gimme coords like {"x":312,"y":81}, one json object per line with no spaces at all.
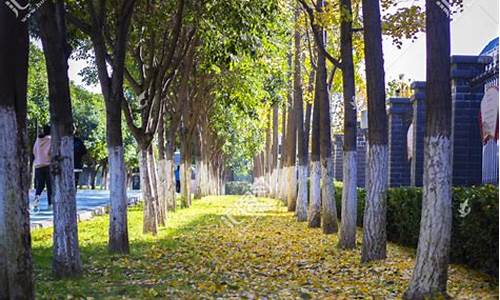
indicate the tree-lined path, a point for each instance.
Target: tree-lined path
{"x":191,"y":101}
{"x":233,"y":247}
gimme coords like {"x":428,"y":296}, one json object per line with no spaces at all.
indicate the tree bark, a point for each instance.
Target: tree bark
{"x":169,"y":153}
{"x":301,"y":202}
{"x":118,"y":228}
{"x":275,"y":152}
{"x":153,"y":177}
{"x":431,"y":269}
{"x":150,"y":209}
{"x":268,"y":158}
{"x":185,"y":172}
{"x":349,"y":194}
{"x":314,"y":210}
{"x":374,"y":221}
{"x":16,"y":270}
{"x":162,"y":174}
{"x":66,"y":260}
{"x":310,"y":89}
{"x":291,"y":154}
{"x":329,"y":210}
{"x":282,"y":168}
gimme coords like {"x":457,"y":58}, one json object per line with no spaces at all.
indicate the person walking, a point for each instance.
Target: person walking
{"x":41,"y":162}
{"x":177,"y":179}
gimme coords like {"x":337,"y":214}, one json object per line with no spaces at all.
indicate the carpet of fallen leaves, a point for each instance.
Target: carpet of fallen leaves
{"x":235,"y":247}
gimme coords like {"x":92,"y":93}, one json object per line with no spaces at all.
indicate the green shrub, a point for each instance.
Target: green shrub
{"x":474,"y":240}
{"x":238,"y":187}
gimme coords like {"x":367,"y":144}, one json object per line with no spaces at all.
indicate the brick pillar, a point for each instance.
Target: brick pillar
{"x":399,"y":117}
{"x":338,"y":141}
{"x":466,"y":137}
{"x":361,"y":151}
{"x":418,"y":120}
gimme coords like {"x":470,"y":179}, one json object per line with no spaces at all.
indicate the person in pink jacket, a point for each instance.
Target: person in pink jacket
{"x":41,"y":152}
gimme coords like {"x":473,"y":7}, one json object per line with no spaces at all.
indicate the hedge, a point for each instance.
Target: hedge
{"x":474,"y":240}
{"x":238,"y":187}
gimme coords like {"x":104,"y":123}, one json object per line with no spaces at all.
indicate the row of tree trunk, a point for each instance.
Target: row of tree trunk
{"x":306,"y":187}
{"x":157,"y":174}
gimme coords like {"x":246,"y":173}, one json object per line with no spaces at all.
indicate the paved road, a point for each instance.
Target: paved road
{"x":89,"y":203}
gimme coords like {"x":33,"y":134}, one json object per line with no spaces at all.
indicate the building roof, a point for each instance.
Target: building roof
{"x":491,"y":46}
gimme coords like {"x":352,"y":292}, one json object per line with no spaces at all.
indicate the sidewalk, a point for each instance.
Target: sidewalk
{"x":89,"y":203}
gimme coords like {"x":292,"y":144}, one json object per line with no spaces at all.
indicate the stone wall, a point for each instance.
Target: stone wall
{"x":399,"y":118}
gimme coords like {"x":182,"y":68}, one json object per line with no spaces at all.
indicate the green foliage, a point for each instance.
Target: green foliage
{"x":38,"y":94}
{"x":400,"y":87}
{"x":238,"y":187}
{"x":475,"y":222}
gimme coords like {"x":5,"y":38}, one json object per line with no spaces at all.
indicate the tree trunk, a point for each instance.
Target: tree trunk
{"x":301,"y":202}
{"x":150,"y":209}
{"x":153,"y":178}
{"x":274,"y":152}
{"x":169,"y":153}
{"x":329,"y":210}
{"x":118,"y":230}
{"x":66,"y":261}
{"x":374,"y":220}
{"x":314,"y":210}
{"x":185,"y":172}
{"x":16,"y":270}
{"x":347,"y":238}
{"x":197,"y":159}
{"x":431,"y":269}
{"x":291,"y":155}
{"x":307,"y":121}
{"x":268,"y":155}
{"x":112,"y":90}
{"x":282,"y":169}
{"x":162,"y":191}
{"x":162,"y":175}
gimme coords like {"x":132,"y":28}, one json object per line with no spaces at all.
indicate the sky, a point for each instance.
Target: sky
{"x":471,"y":30}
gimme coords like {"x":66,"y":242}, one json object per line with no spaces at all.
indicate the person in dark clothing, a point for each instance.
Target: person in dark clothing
{"x":177,"y":179}
{"x":79,"y":152}
{"x":41,"y":162}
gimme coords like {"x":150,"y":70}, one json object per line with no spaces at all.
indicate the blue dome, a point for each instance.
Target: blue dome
{"x":492,"y":45}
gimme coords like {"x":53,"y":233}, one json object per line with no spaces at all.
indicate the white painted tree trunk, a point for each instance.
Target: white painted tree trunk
{"x":374,"y":220}
{"x":170,"y":190}
{"x":431,"y":269}
{"x":185,"y":185}
{"x":16,"y":280}
{"x":314,"y":210}
{"x":66,"y":261}
{"x":272,"y":184}
{"x":197,"y":188}
{"x":301,"y":209}
{"x":347,"y":238}
{"x":162,"y":191}
{"x":329,"y":222}
{"x":283,"y":184}
{"x":153,"y":177}
{"x":202,"y":179}
{"x":292,"y":188}
{"x":150,"y":215}
{"x":118,"y":231}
